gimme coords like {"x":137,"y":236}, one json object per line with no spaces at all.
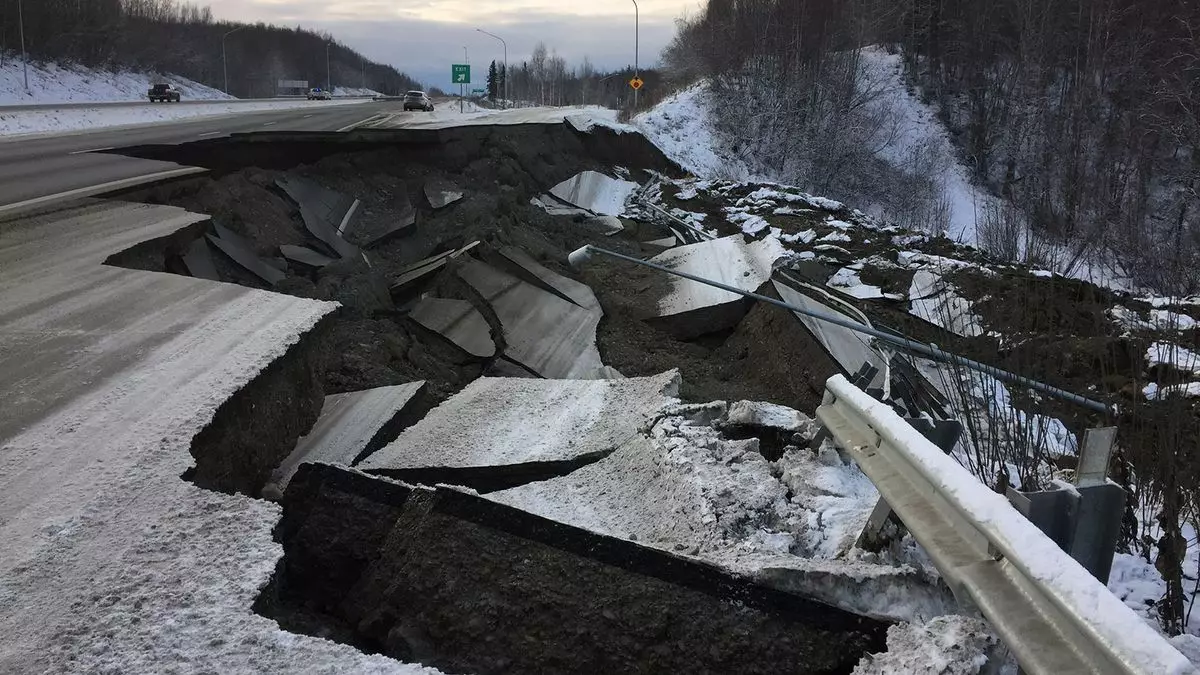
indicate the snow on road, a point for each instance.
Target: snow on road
{"x":56,"y":120}
{"x":111,"y":561}
{"x":54,"y":83}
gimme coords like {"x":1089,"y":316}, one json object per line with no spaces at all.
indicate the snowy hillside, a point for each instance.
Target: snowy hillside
{"x":55,"y":83}
{"x":908,"y":137}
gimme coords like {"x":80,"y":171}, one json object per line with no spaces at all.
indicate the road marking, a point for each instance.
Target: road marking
{"x":82,"y":152}
{"x":357,"y":124}
{"x":346,"y":219}
{"x":211,"y":133}
{"x":269,"y":124}
{"x":307,"y":116}
{"x":9,"y":209}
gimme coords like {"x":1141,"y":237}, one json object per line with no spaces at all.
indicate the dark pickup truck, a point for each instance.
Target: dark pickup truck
{"x":163,"y":92}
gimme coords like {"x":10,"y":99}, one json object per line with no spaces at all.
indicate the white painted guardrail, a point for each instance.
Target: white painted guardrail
{"x":1053,"y":615}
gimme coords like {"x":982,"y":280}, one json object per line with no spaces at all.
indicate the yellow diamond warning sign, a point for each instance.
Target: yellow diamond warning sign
{"x":636,"y":83}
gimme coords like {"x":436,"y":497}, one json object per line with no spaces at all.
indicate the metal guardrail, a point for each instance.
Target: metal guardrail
{"x":1054,"y":616}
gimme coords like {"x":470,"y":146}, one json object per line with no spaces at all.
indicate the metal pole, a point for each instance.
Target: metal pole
{"x":328,"y":71}
{"x":637,"y":71}
{"x":224,"y":61}
{"x":506,"y":99}
{"x":581,"y":255}
{"x":24,"y":56}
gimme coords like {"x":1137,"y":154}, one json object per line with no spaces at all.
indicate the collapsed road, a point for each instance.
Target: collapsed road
{"x":338,"y":404}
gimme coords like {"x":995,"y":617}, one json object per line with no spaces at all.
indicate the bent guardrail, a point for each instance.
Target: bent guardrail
{"x":1054,"y":616}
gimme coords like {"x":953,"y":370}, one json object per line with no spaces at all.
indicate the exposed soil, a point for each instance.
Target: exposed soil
{"x":467,"y":585}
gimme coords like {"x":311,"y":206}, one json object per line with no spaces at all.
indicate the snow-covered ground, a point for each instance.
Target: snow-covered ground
{"x":681,"y":128}
{"x":58,"y":83}
{"x":76,"y":118}
{"x":917,"y":131}
{"x":355,"y":91}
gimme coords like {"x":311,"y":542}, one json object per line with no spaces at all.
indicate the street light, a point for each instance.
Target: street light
{"x":637,"y":72}
{"x":24,"y":56}
{"x":328,"y":72}
{"x":506,"y":99}
{"x":224,"y":61}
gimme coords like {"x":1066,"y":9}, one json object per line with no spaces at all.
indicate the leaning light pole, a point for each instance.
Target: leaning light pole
{"x":637,"y":71}
{"x":224,"y":60}
{"x":506,"y":99}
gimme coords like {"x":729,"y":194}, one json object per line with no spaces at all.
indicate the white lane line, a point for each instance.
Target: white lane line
{"x":267,"y":124}
{"x":307,"y":116}
{"x":81,"y":152}
{"x":9,"y":209}
{"x":210,"y":133}
{"x":358,"y":124}
{"x":346,"y":219}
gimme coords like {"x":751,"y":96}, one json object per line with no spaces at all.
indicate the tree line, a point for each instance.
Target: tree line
{"x":182,"y":38}
{"x":546,"y":79}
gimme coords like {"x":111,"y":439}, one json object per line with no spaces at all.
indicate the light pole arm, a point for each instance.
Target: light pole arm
{"x":505,"y":60}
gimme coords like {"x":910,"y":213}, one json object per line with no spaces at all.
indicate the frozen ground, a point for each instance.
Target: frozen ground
{"x":448,"y":115}
{"x":681,"y":128}
{"x":76,"y":119}
{"x":57,"y":83}
{"x":947,"y":645}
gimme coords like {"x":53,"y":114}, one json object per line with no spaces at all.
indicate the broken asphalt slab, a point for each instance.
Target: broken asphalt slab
{"x":550,"y":336}
{"x":349,"y":426}
{"x":441,"y":193}
{"x":595,"y":192}
{"x":325,"y":213}
{"x":241,"y":251}
{"x":458,"y":322}
{"x":500,"y":432}
{"x":517,"y":262}
{"x":690,"y":309}
{"x":465,"y":584}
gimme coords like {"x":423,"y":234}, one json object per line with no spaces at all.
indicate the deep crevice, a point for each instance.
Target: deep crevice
{"x":486,"y":479}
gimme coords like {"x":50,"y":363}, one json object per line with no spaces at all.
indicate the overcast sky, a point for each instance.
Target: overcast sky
{"x":424,"y":37}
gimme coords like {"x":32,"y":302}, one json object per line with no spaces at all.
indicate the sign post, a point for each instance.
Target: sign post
{"x":460,"y":74}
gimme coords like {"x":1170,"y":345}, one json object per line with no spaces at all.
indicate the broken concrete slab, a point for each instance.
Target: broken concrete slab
{"x":504,"y":430}
{"x":849,"y":349}
{"x":457,"y":321}
{"x":462,"y":583}
{"x":595,"y":192}
{"x":305,"y":256}
{"x":199,"y":261}
{"x":550,"y":336}
{"x":350,"y":424}
{"x":325,"y":212}
{"x":427,"y":267}
{"x":244,"y":256}
{"x":690,"y":308}
{"x":441,"y":193}
{"x":517,"y":262}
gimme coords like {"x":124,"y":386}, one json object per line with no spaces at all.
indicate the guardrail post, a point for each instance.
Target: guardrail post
{"x":1084,"y":519}
{"x":883,"y":525}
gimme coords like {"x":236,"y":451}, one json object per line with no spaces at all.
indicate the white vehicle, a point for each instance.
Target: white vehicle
{"x":417,"y":100}
{"x":319,"y":94}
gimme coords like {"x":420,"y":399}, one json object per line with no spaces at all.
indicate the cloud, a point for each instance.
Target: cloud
{"x":404,"y":34}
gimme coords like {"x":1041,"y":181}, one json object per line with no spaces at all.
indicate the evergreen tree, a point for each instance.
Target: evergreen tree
{"x":493,"y":82}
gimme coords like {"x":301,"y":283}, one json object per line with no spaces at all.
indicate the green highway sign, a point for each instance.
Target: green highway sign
{"x":461,"y":73}
{"x":479,"y":91}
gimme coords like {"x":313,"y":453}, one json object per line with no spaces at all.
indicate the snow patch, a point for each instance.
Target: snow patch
{"x":55,"y":83}
{"x":947,"y":645}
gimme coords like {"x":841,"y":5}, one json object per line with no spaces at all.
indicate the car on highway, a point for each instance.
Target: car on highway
{"x":417,"y":100}
{"x":164,"y":93}
{"x":319,"y":94}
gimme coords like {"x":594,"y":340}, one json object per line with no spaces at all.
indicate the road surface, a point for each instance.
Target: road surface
{"x":37,"y":167}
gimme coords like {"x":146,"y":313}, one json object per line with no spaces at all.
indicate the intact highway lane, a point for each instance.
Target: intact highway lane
{"x":46,"y":167}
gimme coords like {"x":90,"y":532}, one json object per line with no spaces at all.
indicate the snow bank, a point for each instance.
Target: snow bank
{"x":76,"y":118}
{"x":54,"y":83}
{"x":1179,"y":358}
{"x":680,"y":126}
{"x":918,"y":130}
{"x":355,"y":91}
{"x":947,"y":645}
